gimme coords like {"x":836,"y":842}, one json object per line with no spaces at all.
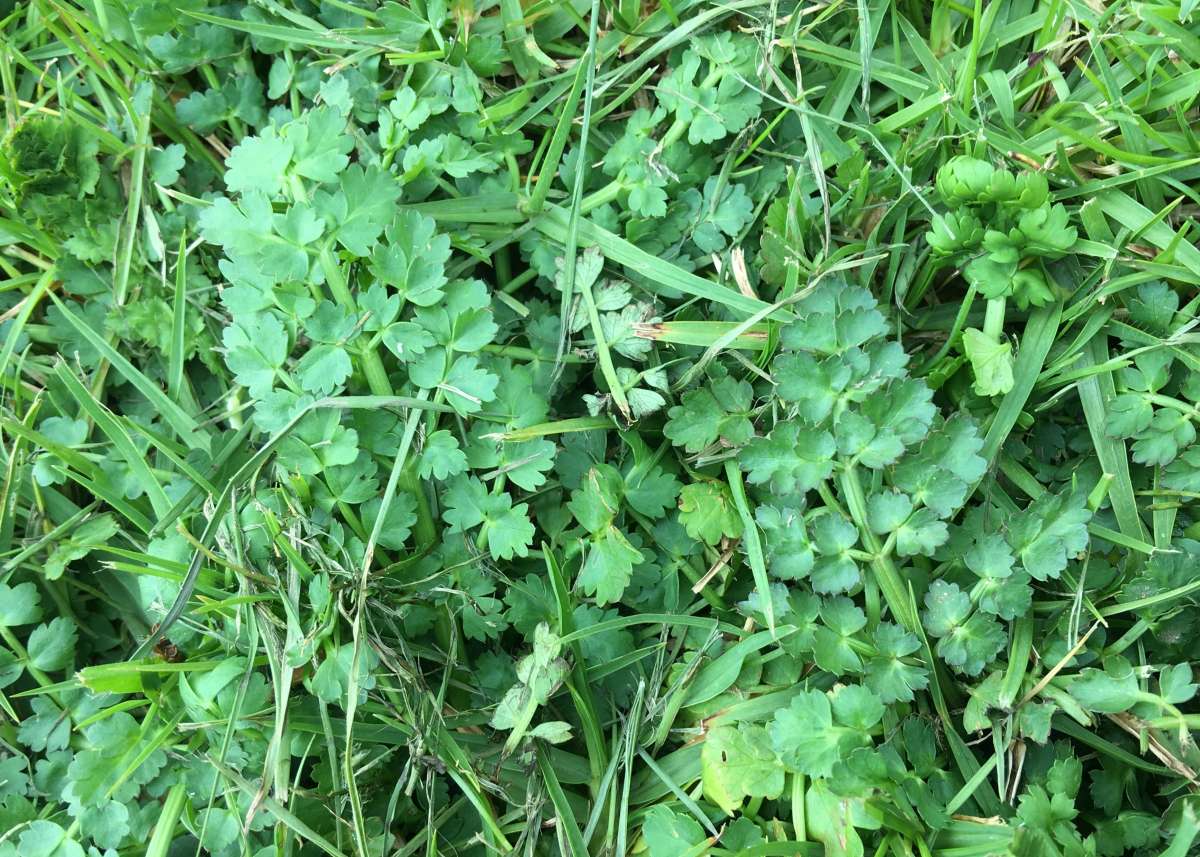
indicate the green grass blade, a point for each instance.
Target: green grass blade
{"x":186,"y":427}
{"x":110,"y":426}
{"x":660,"y":276}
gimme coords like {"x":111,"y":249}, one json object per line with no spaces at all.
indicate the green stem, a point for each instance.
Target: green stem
{"x":1135,"y":632}
{"x":424,"y":529}
{"x":164,"y":827}
{"x":1190,"y":411}
{"x":799,"y":827}
{"x":17,"y":649}
{"x":993,"y":319}
{"x":519,"y":352}
{"x":606,"y":194}
{"x":514,"y":171}
{"x":1018,"y":661}
{"x":373,"y":369}
{"x":895,"y":594}
{"x":960,"y":319}
{"x":519,"y":280}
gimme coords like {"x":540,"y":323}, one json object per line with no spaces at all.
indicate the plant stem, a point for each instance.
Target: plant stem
{"x":164,"y":827}
{"x":376,"y":374}
{"x":19,"y":650}
{"x":993,"y":319}
{"x":886,"y":574}
{"x":799,"y":828}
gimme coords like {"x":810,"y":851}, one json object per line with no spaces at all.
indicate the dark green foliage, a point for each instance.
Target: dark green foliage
{"x":616,"y":429}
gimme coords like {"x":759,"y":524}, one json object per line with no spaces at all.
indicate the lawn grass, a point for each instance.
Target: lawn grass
{"x":788,"y":515}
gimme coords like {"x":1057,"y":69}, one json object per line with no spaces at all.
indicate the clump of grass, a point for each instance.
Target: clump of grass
{"x":598,"y":429}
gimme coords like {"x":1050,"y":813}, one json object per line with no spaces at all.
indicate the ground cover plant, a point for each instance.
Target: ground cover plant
{"x":575,"y":428}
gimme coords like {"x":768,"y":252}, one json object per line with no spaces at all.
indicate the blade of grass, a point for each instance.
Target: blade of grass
{"x":244,"y":473}
{"x":29,"y":304}
{"x":558,"y":142}
{"x":332,"y":40}
{"x":570,"y":235}
{"x":278,"y":811}
{"x":1040,"y":332}
{"x":1095,"y":393}
{"x":579,"y":685}
{"x":652,"y":271}
{"x":186,"y":427}
{"x":358,"y":627}
{"x":110,"y":426}
{"x":669,"y":619}
{"x":562,"y":807}
{"x":751,"y":542}
{"x":178,"y":316}
{"x":168,"y":817}
{"x":567,"y":426}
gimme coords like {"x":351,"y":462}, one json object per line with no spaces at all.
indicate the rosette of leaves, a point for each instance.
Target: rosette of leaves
{"x":332,"y":288}
{"x":850,"y":472}
{"x":835,"y":739}
{"x":1000,"y":228}
{"x":52,"y":166}
{"x":663,"y":193}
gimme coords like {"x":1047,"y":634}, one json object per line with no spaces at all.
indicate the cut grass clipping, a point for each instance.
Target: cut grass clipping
{"x":599,"y":429}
